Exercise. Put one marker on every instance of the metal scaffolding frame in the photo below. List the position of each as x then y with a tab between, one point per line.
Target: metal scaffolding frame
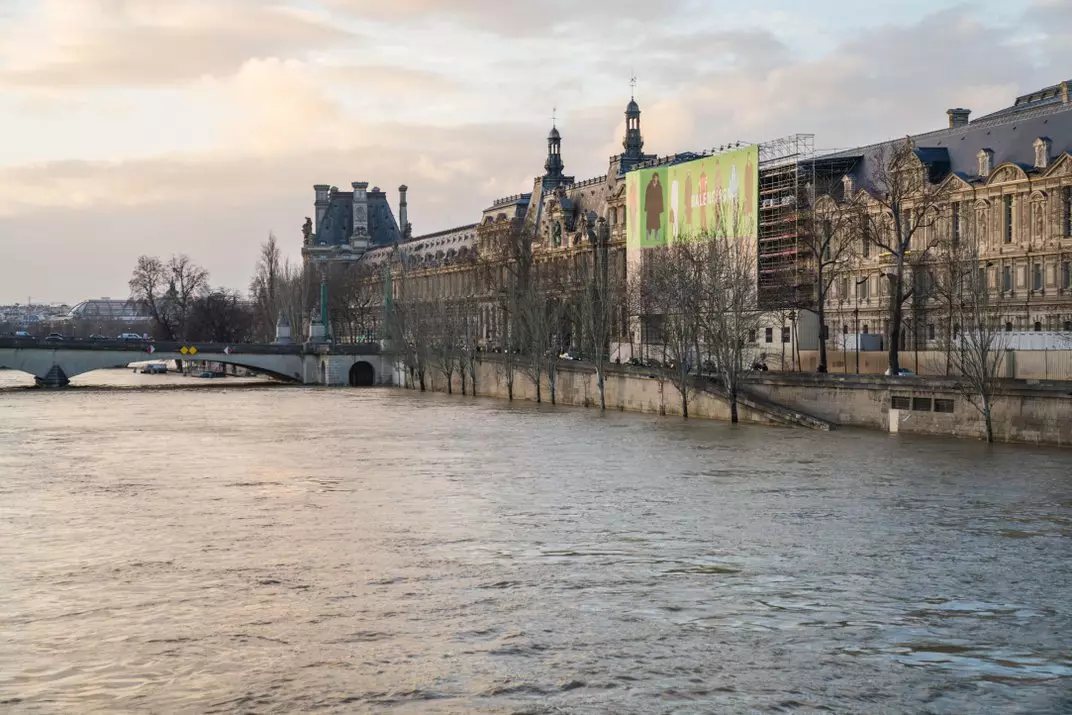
783	280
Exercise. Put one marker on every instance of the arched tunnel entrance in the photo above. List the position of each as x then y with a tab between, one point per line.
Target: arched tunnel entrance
362	375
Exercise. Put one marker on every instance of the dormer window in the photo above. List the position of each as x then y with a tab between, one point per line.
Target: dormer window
986	162
1042	152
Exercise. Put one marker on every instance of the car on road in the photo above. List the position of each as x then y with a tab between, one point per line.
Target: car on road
22	334
130	336
55	336
903	372
95	336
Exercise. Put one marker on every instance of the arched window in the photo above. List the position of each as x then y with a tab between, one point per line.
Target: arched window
1038	327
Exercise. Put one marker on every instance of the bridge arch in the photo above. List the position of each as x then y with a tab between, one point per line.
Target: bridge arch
56	367
362	374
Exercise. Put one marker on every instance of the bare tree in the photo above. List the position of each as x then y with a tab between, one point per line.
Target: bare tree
353	300
469	334
730	312
443	340
221	316
188	281
976	344
600	305
671	285
828	243
168	290
409	322
292	297
902	206
506	266
149	285
264	288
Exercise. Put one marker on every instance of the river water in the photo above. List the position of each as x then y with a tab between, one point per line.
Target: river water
245	548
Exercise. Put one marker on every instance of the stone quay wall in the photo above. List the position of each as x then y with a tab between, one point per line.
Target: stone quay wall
576	386
1029	412
1025	411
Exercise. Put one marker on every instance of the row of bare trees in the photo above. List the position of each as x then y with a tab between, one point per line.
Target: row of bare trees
698	298
931	267
182	306
287	289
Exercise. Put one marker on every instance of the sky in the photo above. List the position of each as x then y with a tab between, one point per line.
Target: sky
200	126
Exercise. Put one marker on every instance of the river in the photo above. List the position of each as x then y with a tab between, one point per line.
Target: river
245	548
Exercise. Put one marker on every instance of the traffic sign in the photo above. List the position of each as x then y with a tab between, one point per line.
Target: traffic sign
227	350
193	351
184	350
151	349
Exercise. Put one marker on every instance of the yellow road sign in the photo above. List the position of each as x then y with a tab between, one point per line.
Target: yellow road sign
193	351
184	350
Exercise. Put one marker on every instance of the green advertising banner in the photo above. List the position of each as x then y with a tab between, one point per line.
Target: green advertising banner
713	196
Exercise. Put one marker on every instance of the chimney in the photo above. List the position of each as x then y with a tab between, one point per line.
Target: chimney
1042	152
986	162
321	204
403	212
958	117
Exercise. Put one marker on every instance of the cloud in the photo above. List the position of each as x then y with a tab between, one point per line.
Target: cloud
67	44
593	18
459	130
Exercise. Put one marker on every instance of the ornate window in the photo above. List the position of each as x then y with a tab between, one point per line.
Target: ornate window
1066	212
955	232
1007	217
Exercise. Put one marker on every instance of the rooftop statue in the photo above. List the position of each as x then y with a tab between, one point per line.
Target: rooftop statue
307	229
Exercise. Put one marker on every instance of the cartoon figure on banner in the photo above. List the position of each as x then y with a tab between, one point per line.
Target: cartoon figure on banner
654	205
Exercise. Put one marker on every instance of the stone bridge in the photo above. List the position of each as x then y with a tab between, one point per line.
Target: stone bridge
54	363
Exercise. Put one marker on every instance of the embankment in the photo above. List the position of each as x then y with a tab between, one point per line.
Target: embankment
1025	411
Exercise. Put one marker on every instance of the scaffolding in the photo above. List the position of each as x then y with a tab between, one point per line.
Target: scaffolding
784	279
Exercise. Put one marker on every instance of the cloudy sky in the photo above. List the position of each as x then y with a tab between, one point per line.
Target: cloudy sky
199	126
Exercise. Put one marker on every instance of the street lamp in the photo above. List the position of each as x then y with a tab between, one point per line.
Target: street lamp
856	315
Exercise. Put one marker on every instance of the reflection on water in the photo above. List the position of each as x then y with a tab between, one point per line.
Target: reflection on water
292	550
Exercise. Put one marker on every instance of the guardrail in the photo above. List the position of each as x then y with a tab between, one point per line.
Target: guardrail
177	346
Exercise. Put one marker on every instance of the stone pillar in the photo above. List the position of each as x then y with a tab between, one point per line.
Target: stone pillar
322	201
282	331
317	333
403	211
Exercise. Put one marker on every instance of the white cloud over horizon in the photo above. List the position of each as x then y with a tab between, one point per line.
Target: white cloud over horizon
198	126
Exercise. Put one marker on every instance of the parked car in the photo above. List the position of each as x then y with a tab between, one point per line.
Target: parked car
130	336
55	336
95	336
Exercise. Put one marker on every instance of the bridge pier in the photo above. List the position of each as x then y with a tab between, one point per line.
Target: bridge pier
55	377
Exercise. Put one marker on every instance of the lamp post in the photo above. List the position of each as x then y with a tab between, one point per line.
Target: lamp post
792	339
856	314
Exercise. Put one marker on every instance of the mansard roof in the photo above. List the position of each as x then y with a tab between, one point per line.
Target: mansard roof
338	223
1010	133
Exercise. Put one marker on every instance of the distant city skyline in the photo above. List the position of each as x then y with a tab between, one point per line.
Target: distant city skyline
198	126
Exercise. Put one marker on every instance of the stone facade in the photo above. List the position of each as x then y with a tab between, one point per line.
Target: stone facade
1006	178
1004	182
